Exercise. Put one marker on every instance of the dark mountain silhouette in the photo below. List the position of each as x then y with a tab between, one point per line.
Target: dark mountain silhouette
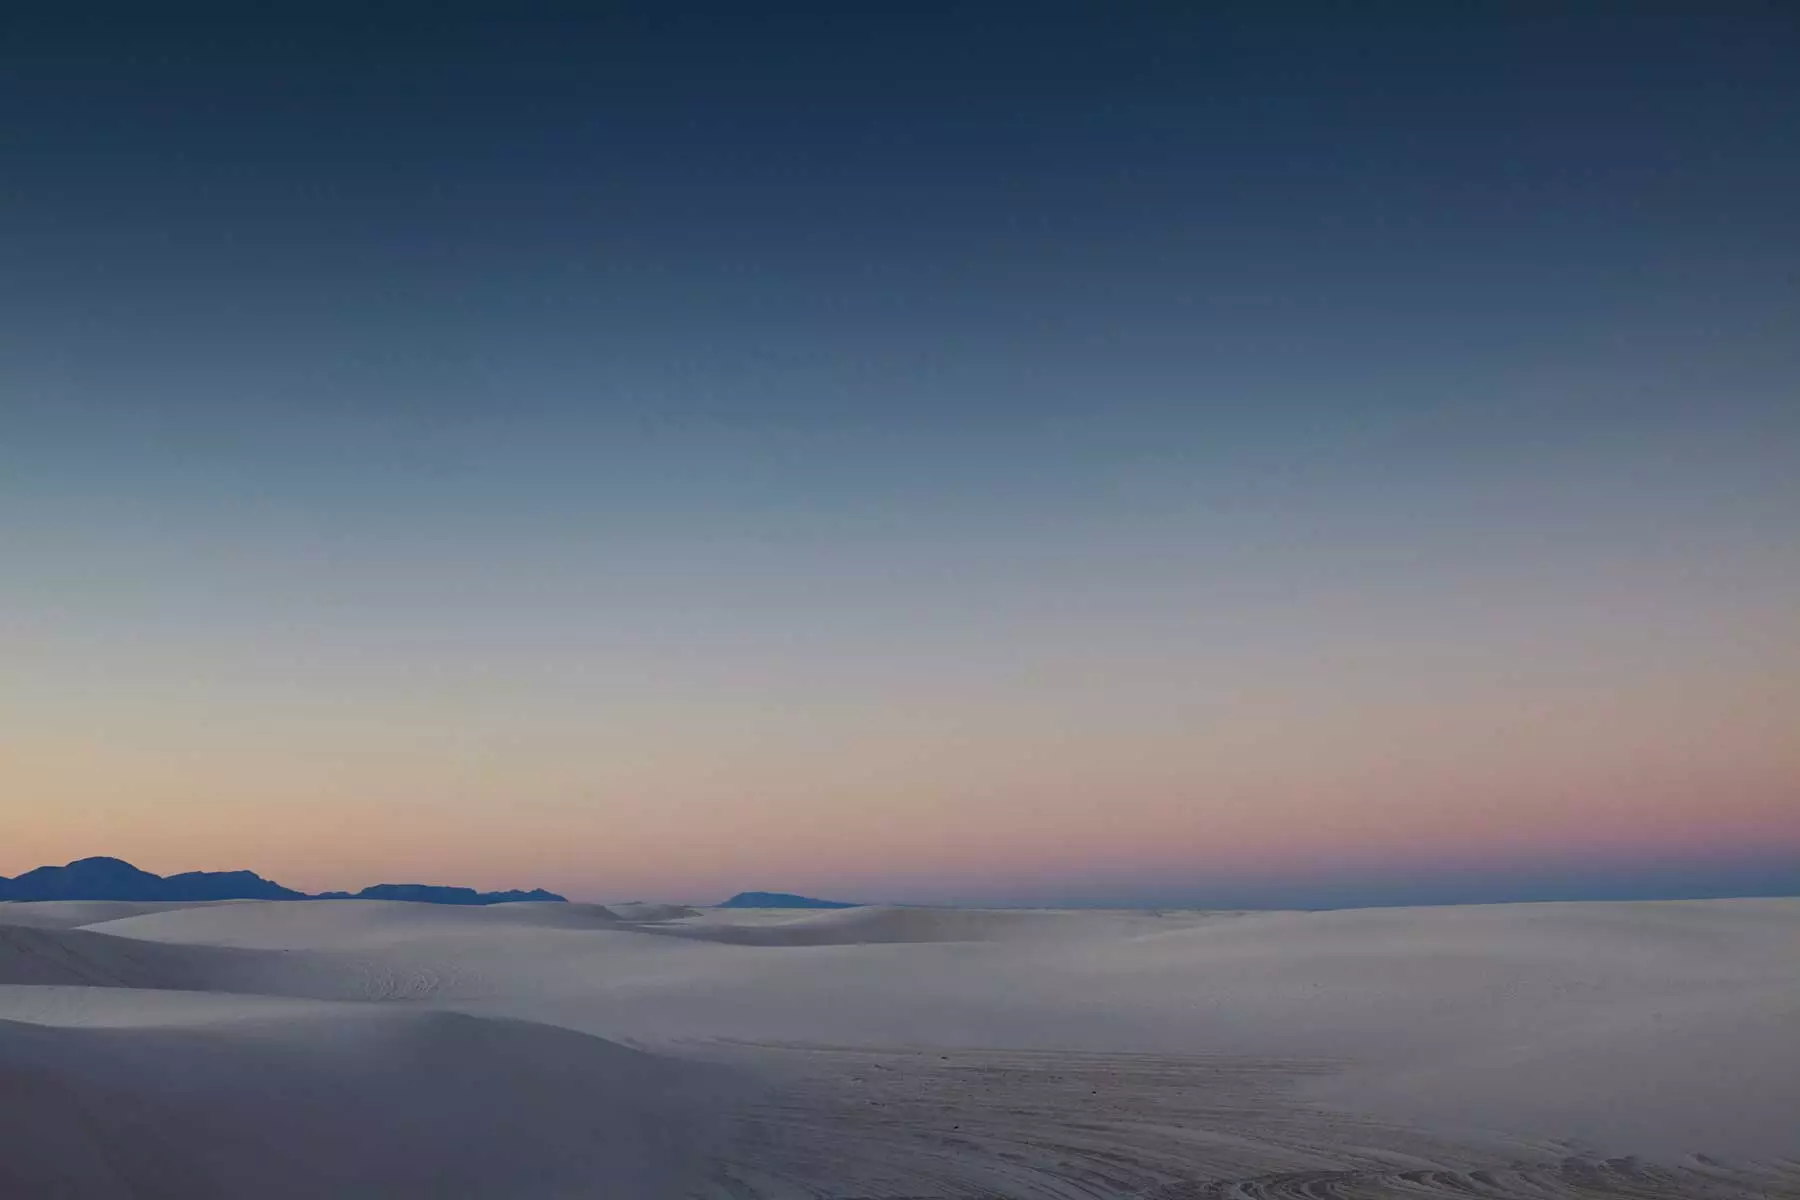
225	885
116	879
429	893
781	900
86	879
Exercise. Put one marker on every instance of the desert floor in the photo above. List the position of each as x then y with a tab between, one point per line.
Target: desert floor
362	1049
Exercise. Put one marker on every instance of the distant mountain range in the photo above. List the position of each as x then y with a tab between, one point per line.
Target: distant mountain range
116	879
780	900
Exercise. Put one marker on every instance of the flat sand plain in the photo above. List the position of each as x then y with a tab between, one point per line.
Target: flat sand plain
371	1049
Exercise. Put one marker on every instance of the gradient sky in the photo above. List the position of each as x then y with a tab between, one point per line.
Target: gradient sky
1019	454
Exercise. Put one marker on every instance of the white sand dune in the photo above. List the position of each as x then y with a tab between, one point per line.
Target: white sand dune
877	924
91	958
890	1052
276	924
72	914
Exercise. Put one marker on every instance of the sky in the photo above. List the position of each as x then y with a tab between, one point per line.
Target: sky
977	453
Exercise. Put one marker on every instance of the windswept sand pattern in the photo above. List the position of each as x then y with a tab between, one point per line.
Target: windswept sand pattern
847	1122
1621	1178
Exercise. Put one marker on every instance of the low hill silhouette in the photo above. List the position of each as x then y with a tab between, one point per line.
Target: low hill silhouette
115	879
781	900
428	893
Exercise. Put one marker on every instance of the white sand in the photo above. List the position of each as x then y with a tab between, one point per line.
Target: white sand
378	1049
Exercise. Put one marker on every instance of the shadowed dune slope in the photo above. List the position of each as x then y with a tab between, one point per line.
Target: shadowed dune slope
351	1101
76	957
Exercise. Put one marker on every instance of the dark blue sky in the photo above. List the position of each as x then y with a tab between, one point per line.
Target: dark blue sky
1015	405
1200	187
